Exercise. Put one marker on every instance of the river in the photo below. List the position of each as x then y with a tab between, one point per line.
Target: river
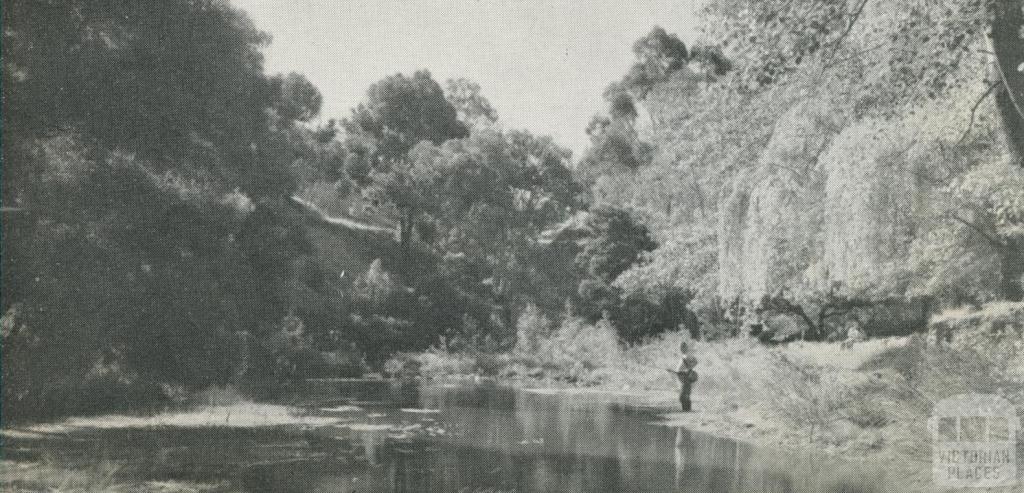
379	436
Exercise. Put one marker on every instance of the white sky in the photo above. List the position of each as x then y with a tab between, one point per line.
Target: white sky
543	64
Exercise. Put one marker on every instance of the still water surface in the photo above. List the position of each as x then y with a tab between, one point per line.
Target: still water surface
376	436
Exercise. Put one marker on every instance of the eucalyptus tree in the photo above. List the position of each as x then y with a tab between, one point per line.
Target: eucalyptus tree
398	113
473	108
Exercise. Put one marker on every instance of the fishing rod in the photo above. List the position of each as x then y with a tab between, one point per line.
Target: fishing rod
677	372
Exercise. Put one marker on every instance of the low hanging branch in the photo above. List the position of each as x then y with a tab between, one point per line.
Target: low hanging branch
831	306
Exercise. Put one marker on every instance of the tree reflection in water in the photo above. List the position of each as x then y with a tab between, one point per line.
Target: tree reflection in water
395	437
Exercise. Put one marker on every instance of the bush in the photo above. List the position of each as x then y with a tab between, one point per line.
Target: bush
926	373
577	346
637	315
403	365
867	414
531	328
433	363
294	358
806	395
104	388
995	333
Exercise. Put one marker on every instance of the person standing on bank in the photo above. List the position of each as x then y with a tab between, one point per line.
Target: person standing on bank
686	374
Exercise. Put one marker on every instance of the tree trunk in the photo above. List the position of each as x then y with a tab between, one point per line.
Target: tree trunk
405	227
1008	60
1011	266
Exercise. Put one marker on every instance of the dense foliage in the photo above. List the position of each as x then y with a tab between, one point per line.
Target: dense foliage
176	218
146	242
825	170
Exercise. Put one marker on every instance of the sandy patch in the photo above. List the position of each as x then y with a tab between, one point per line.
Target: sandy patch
371	427
21	434
241	415
342	409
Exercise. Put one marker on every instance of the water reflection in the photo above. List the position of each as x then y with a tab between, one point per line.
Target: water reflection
395	437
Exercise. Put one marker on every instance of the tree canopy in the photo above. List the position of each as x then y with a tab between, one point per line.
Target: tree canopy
400	112
822	164
147	154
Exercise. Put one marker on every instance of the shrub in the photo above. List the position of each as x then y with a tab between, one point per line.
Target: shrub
578	344
866	413
995	333
403	365
805	395
531	327
431	363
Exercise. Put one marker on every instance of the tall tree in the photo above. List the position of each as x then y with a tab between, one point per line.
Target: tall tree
398	113
149	152
297	98
179	83
474	109
1007	35
658	55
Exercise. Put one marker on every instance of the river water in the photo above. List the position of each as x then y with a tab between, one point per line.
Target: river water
378	436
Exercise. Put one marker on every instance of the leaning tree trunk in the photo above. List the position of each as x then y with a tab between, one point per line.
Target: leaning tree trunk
1008	64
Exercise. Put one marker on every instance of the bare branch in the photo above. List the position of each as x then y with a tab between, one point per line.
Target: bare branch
974	110
988	237
854	17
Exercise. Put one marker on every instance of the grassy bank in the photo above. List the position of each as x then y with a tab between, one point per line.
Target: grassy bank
870	400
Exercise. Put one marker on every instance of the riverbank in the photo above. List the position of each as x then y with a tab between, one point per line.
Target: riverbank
866	402
516	441
869	401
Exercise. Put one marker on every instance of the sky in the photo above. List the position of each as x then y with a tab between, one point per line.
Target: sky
543	64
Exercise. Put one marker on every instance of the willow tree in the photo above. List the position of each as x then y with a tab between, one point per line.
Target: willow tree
896	63
812	173
919	48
